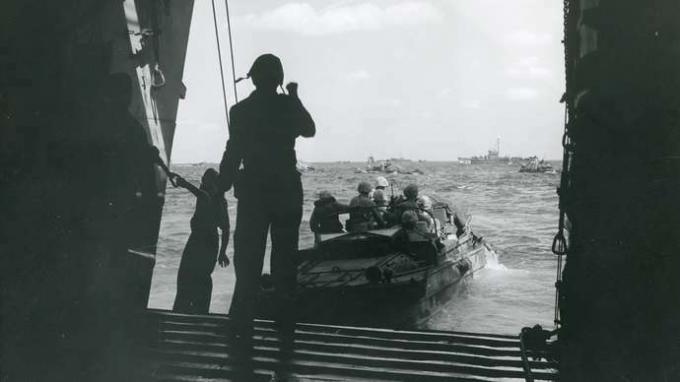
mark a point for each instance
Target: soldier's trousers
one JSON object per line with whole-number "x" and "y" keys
{"x": 259, "y": 212}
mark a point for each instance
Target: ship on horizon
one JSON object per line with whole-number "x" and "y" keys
{"x": 492, "y": 157}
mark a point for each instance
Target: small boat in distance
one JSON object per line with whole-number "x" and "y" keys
{"x": 534, "y": 165}
{"x": 388, "y": 166}
{"x": 390, "y": 277}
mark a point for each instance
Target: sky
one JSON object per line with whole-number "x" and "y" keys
{"x": 419, "y": 79}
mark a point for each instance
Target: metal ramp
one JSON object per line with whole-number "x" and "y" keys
{"x": 195, "y": 348}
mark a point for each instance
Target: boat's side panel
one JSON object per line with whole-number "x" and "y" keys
{"x": 451, "y": 271}
{"x": 445, "y": 280}
{"x": 341, "y": 296}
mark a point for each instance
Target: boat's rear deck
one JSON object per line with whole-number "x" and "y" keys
{"x": 195, "y": 348}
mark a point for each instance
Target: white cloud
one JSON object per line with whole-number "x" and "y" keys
{"x": 444, "y": 93}
{"x": 358, "y": 75}
{"x": 528, "y": 67}
{"x": 303, "y": 18}
{"x": 471, "y": 104}
{"x": 388, "y": 102}
{"x": 521, "y": 94}
{"x": 526, "y": 38}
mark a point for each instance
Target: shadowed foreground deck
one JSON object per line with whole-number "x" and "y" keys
{"x": 194, "y": 348}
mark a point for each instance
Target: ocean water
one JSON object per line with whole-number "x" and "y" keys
{"x": 515, "y": 212}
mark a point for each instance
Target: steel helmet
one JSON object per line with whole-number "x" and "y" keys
{"x": 210, "y": 176}
{"x": 364, "y": 188}
{"x": 323, "y": 195}
{"x": 381, "y": 182}
{"x": 424, "y": 202}
{"x": 267, "y": 68}
{"x": 411, "y": 191}
{"x": 379, "y": 198}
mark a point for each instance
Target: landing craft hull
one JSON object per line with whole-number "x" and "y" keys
{"x": 407, "y": 301}
{"x": 404, "y": 305}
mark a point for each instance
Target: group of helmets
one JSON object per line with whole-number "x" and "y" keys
{"x": 410, "y": 191}
{"x": 365, "y": 187}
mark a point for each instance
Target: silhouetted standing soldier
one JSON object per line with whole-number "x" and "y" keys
{"x": 262, "y": 136}
{"x": 194, "y": 281}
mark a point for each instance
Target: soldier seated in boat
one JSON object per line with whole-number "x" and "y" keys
{"x": 421, "y": 205}
{"x": 363, "y": 199}
{"x": 362, "y": 210}
{"x": 425, "y": 212}
{"x": 416, "y": 240}
{"x": 379, "y": 192}
{"x": 326, "y": 214}
{"x": 406, "y": 202}
{"x": 381, "y": 205}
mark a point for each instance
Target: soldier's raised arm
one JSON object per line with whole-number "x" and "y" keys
{"x": 301, "y": 117}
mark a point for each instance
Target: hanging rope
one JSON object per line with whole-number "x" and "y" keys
{"x": 219, "y": 56}
{"x": 231, "y": 51}
{"x": 559, "y": 245}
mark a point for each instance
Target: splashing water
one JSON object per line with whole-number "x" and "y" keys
{"x": 492, "y": 260}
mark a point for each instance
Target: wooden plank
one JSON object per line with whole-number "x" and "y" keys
{"x": 343, "y": 339}
{"x": 162, "y": 377}
{"x": 310, "y": 368}
{"x": 349, "y": 362}
{"x": 170, "y": 316}
{"x": 191, "y": 347}
{"x": 217, "y": 329}
{"x": 329, "y": 348}
{"x": 259, "y": 376}
{"x": 436, "y": 335}
{"x": 386, "y": 334}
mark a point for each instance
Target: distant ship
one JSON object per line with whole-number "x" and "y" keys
{"x": 492, "y": 157}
